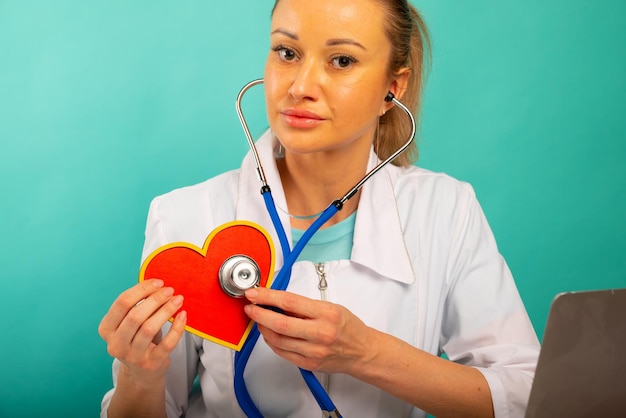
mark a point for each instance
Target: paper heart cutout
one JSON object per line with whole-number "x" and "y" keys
{"x": 193, "y": 272}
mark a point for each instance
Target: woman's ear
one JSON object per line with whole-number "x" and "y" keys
{"x": 397, "y": 87}
{"x": 399, "y": 82}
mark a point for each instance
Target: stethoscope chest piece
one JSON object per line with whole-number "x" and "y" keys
{"x": 238, "y": 274}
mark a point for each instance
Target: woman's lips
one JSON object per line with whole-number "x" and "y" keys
{"x": 302, "y": 119}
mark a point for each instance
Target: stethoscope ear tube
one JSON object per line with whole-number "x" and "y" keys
{"x": 246, "y": 130}
{"x": 261, "y": 174}
{"x": 389, "y": 159}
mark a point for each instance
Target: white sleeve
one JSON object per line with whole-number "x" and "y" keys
{"x": 184, "y": 359}
{"x": 485, "y": 322}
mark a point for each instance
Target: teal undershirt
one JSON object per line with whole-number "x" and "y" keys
{"x": 328, "y": 244}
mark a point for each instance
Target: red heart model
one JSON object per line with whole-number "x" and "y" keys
{"x": 193, "y": 272}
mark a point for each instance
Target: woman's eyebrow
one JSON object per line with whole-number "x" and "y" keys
{"x": 344, "y": 41}
{"x": 330, "y": 42}
{"x": 286, "y": 33}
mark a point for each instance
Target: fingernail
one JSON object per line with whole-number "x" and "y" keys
{"x": 247, "y": 309}
{"x": 252, "y": 293}
{"x": 182, "y": 316}
{"x": 178, "y": 300}
{"x": 157, "y": 283}
{"x": 168, "y": 291}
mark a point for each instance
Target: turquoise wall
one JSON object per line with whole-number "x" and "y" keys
{"x": 105, "y": 104}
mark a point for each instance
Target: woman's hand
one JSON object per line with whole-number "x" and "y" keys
{"x": 314, "y": 335}
{"x": 132, "y": 329}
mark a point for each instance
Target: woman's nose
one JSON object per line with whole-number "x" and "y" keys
{"x": 306, "y": 82}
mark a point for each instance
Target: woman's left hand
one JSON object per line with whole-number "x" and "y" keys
{"x": 314, "y": 335}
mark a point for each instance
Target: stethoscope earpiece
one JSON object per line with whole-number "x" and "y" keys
{"x": 389, "y": 97}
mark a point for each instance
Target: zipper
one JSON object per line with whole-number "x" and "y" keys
{"x": 322, "y": 285}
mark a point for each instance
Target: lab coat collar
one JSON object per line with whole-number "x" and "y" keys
{"x": 378, "y": 240}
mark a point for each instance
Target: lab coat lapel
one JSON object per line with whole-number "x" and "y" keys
{"x": 378, "y": 239}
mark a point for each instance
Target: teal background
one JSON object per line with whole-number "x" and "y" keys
{"x": 105, "y": 104}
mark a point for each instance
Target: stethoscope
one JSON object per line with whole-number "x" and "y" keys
{"x": 240, "y": 273}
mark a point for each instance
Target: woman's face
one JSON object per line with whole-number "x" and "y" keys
{"x": 326, "y": 74}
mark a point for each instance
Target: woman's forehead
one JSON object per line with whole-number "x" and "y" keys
{"x": 330, "y": 19}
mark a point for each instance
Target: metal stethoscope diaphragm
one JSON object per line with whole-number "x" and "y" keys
{"x": 238, "y": 274}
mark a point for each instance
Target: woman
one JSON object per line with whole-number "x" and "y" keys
{"x": 409, "y": 266}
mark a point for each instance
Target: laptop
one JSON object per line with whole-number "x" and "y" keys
{"x": 581, "y": 371}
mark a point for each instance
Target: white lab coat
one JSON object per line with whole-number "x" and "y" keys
{"x": 424, "y": 268}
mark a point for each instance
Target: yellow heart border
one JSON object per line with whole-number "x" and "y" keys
{"x": 203, "y": 251}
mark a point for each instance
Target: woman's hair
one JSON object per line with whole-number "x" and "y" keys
{"x": 410, "y": 47}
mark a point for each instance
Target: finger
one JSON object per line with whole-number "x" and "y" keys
{"x": 291, "y": 303}
{"x": 277, "y": 322}
{"x": 291, "y": 343}
{"x": 294, "y": 350}
{"x": 173, "y": 336}
{"x": 278, "y": 341}
{"x": 137, "y": 315}
{"x": 125, "y": 302}
{"x": 152, "y": 325}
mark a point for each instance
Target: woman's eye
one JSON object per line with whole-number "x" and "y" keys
{"x": 286, "y": 54}
{"x": 343, "y": 61}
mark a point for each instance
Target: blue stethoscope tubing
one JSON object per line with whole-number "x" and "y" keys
{"x": 281, "y": 281}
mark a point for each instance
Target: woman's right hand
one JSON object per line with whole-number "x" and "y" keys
{"x": 132, "y": 329}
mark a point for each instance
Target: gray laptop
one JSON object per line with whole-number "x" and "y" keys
{"x": 581, "y": 370}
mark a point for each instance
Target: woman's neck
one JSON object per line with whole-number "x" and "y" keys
{"x": 312, "y": 182}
